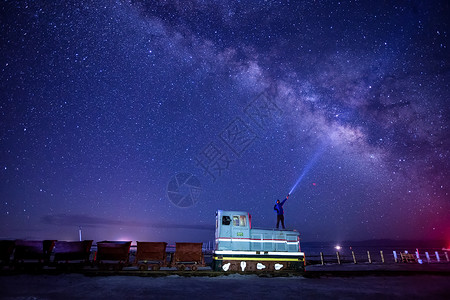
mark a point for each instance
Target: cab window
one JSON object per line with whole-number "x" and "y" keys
{"x": 240, "y": 221}
{"x": 243, "y": 221}
{"x": 226, "y": 220}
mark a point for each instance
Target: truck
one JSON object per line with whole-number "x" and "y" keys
{"x": 241, "y": 248}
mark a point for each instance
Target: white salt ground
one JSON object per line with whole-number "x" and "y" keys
{"x": 76, "y": 286}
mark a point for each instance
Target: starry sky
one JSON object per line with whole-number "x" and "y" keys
{"x": 137, "y": 120}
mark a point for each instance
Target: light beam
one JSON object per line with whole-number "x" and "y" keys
{"x": 308, "y": 167}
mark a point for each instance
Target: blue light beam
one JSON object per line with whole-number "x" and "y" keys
{"x": 313, "y": 160}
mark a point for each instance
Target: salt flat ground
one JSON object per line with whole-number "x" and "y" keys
{"x": 78, "y": 286}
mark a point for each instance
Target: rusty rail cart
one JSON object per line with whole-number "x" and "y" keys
{"x": 72, "y": 252}
{"x": 112, "y": 254}
{"x": 188, "y": 255}
{"x": 32, "y": 253}
{"x": 6, "y": 251}
{"x": 151, "y": 255}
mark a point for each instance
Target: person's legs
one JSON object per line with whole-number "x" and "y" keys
{"x": 278, "y": 220}
{"x": 282, "y": 221}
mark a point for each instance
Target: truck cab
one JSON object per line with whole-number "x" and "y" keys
{"x": 232, "y": 230}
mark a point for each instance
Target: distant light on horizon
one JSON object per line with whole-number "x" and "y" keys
{"x": 125, "y": 239}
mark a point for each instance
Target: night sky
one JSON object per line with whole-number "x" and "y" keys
{"x": 137, "y": 120}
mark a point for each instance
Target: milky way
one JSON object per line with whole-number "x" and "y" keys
{"x": 139, "y": 119}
